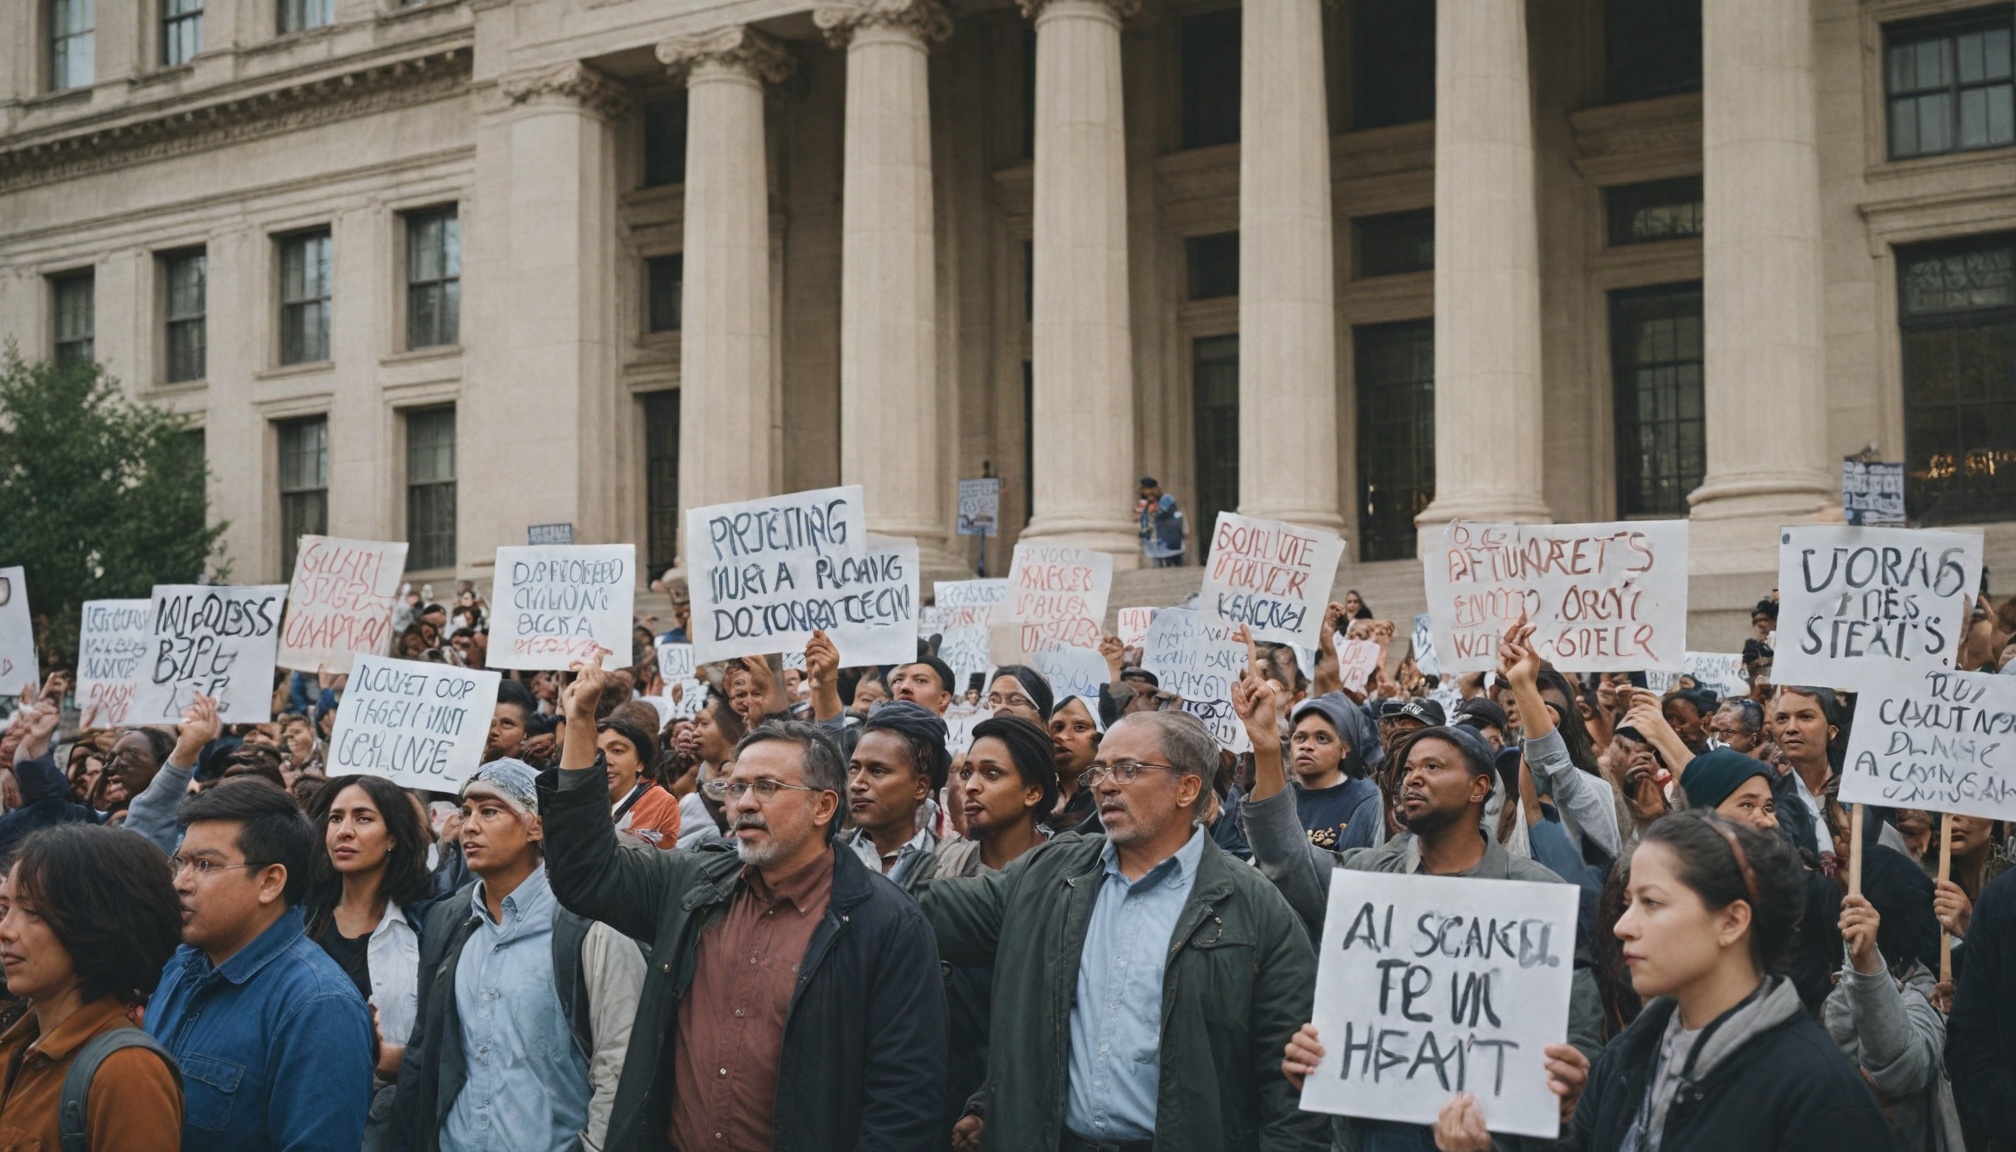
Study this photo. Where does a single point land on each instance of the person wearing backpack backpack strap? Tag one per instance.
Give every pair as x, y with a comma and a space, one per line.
525, 1008
87, 920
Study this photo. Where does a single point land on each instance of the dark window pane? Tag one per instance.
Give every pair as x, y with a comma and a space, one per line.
1651, 48
1029, 92
1395, 243
74, 295
1655, 352
72, 25
1214, 265
1211, 79
1657, 210
186, 275
433, 278
1948, 84
304, 298
661, 477
430, 488
1395, 380
304, 484
181, 31
1957, 306
301, 15
1392, 62
1214, 377
665, 286
665, 141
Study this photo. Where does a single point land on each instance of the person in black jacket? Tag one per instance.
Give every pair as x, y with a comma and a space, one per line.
1723, 1056
1981, 1033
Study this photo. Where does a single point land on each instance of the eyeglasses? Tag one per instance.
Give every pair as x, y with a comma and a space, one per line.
766, 789
203, 866
1012, 700
1125, 772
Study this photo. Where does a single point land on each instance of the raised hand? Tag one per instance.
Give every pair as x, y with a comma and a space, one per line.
200, 726
1859, 921
580, 698
1518, 659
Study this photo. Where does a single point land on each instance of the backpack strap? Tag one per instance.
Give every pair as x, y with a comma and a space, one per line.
570, 978
83, 1068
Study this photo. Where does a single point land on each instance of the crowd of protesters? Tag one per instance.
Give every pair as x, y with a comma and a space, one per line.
798, 918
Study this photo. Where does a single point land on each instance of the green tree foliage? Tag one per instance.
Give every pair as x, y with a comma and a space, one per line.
100, 497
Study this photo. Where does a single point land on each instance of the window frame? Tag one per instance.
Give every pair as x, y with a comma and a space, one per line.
1370, 225
656, 119
174, 321
1616, 62
661, 420
177, 16
1378, 542
1946, 28
1208, 254
1201, 69
1371, 86
57, 58
325, 300
1962, 318
299, 503
1213, 424
445, 286
292, 17
1630, 426
652, 264
64, 350
425, 493
1620, 201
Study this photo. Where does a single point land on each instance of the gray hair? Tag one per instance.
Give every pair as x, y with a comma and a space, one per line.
824, 768
1190, 747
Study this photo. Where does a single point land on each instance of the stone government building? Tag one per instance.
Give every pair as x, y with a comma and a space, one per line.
444, 270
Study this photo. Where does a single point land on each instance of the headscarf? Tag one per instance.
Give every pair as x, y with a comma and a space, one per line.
1034, 684
1091, 709
1714, 776
513, 781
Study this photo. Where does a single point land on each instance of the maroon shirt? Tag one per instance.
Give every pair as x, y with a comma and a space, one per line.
731, 1021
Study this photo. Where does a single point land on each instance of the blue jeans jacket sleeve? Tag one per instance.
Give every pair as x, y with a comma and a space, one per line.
321, 1090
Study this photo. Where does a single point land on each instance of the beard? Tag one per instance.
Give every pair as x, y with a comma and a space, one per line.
761, 855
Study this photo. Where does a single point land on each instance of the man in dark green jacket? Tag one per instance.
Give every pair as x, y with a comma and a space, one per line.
1144, 981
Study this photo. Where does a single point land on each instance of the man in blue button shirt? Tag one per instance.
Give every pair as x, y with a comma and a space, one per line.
275, 1044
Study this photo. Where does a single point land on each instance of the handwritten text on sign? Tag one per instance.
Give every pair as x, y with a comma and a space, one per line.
1854, 597
340, 602
1719, 672
1601, 597
419, 725
1199, 659
768, 573
554, 603
1058, 595
17, 633
1271, 576
1431, 985
1932, 739
111, 643
219, 641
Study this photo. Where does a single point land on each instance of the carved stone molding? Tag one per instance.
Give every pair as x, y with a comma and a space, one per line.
1122, 8
140, 136
740, 47
572, 81
840, 19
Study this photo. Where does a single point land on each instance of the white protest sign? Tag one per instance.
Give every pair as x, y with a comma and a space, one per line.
1271, 576
980, 507
17, 633
1853, 597
1427, 986
1719, 672
1199, 659
875, 601
1927, 738
766, 574
418, 724
1424, 646
675, 661
960, 618
111, 643
1070, 671
555, 602
212, 639
1056, 598
1601, 597
340, 602
682, 699
1356, 661
959, 730
1132, 627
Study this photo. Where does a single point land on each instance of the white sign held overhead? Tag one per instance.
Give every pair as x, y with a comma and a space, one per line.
1853, 598
211, 639
980, 507
1071, 671
1601, 597
1928, 738
960, 619
18, 664
1427, 986
766, 574
112, 643
675, 661
1719, 672
418, 724
1133, 626
1056, 598
1424, 646
340, 602
1357, 660
556, 603
1271, 576
1199, 659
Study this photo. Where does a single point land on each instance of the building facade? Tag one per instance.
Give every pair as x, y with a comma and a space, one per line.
447, 270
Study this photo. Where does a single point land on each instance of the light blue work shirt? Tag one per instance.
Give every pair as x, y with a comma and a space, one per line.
528, 1083
1116, 1023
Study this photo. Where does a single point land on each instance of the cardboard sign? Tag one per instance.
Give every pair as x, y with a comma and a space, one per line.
1850, 598
675, 661
765, 574
1927, 738
1356, 661
1424, 646
1058, 596
111, 643
18, 664
1199, 659
959, 732
1427, 986
556, 603
1133, 626
980, 507
416, 723
1872, 495
1719, 672
340, 602
217, 640
1601, 597
1272, 576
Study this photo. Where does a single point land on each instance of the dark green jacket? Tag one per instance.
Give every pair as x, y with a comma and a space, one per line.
1240, 978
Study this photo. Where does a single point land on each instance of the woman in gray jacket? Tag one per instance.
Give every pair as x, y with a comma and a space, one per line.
1881, 1015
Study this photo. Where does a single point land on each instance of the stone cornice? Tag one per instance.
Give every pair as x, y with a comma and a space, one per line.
840, 19
73, 150
1121, 8
740, 47
574, 82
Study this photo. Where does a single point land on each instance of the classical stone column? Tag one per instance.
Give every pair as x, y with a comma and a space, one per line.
1083, 348
1766, 412
726, 414
1287, 304
1488, 427
888, 299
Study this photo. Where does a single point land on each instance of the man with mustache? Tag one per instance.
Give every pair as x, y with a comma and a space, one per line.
793, 998
1086, 932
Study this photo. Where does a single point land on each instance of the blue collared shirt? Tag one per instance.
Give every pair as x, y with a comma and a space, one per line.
275, 1045
1116, 1023
528, 1082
